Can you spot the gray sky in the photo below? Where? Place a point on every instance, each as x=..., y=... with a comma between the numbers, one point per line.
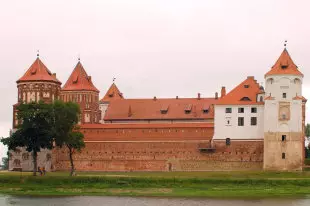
x=158, y=48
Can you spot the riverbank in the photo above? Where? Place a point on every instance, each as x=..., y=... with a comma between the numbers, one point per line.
x=161, y=184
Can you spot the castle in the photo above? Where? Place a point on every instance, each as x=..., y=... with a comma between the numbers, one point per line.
x=249, y=128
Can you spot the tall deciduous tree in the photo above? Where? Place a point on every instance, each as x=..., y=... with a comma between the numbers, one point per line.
x=34, y=131
x=66, y=131
x=307, y=130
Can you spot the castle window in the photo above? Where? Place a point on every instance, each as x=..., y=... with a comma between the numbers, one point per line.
x=284, y=95
x=283, y=138
x=253, y=110
x=283, y=155
x=261, y=98
x=241, y=110
x=240, y=121
x=228, y=110
x=253, y=121
x=227, y=141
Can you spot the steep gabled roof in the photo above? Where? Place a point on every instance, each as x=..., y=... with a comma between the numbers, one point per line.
x=152, y=109
x=244, y=94
x=79, y=80
x=38, y=72
x=284, y=65
x=112, y=94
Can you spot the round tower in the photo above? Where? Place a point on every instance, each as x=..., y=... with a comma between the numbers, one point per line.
x=38, y=83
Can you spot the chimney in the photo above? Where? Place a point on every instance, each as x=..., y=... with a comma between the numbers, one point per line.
x=177, y=97
x=198, y=96
x=223, y=91
x=155, y=98
x=216, y=95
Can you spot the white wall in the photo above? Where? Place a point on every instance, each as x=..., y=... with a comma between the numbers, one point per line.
x=233, y=131
x=281, y=84
x=291, y=85
x=103, y=108
x=271, y=120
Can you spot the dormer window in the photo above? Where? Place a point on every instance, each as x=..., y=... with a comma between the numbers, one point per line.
x=284, y=66
x=246, y=86
x=111, y=95
x=164, y=109
x=245, y=99
x=188, y=109
x=205, y=111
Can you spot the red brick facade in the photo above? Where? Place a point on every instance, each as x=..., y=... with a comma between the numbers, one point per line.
x=164, y=156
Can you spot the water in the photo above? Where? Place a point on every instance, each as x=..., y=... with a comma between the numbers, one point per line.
x=143, y=201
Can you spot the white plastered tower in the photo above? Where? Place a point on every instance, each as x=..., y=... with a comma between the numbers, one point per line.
x=284, y=116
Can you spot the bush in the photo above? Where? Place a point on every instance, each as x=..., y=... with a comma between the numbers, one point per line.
x=307, y=161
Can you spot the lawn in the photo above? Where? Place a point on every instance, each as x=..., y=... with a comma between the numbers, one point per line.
x=256, y=184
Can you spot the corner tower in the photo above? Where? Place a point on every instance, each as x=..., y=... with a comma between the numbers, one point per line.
x=79, y=88
x=38, y=83
x=284, y=116
x=112, y=94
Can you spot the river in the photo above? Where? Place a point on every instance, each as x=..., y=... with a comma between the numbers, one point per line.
x=143, y=201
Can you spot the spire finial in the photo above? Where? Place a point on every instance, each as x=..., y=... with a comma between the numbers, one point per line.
x=79, y=57
x=38, y=53
x=285, y=43
x=114, y=79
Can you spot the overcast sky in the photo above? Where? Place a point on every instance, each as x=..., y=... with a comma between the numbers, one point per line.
x=153, y=48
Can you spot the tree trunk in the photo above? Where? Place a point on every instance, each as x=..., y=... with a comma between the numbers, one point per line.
x=34, y=159
x=72, y=172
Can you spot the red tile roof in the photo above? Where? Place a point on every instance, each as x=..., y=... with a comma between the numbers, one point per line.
x=300, y=98
x=284, y=65
x=150, y=109
x=79, y=80
x=138, y=126
x=38, y=72
x=112, y=94
x=244, y=94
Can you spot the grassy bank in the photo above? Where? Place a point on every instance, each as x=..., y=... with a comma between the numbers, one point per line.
x=174, y=184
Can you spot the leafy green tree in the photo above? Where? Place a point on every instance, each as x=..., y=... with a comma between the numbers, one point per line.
x=5, y=163
x=66, y=131
x=307, y=130
x=34, y=131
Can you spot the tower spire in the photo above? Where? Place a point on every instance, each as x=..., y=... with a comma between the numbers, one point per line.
x=38, y=53
x=285, y=43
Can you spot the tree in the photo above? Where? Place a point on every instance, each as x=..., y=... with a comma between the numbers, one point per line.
x=66, y=131
x=34, y=131
x=307, y=130
x=5, y=163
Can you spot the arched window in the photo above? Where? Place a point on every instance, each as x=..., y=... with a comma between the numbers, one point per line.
x=261, y=99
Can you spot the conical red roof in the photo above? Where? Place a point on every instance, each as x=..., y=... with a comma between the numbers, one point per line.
x=38, y=72
x=79, y=80
x=284, y=65
x=112, y=94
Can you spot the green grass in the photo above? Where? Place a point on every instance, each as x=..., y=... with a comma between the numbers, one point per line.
x=175, y=184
